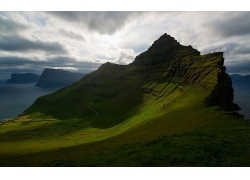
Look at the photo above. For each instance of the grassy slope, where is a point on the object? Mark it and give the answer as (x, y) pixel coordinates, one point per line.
(180, 137)
(154, 118)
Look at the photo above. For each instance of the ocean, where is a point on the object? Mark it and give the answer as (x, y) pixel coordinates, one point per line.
(15, 98)
(242, 97)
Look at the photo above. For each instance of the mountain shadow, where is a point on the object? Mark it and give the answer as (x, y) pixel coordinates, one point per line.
(162, 75)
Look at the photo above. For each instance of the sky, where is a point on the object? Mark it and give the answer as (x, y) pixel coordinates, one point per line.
(80, 41)
(31, 39)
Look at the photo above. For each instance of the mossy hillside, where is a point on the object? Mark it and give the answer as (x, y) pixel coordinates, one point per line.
(151, 107)
(205, 137)
(137, 103)
(124, 86)
(52, 133)
(185, 114)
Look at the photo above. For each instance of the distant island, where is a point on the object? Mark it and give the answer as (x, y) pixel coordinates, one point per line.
(23, 78)
(239, 78)
(58, 77)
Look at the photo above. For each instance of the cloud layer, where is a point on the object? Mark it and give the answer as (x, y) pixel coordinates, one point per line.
(82, 41)
(101, 22)
(15, 43)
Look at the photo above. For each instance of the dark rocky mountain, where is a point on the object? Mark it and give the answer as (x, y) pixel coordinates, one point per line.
(170, 107)
(162, 71)
(23, 78)
(58, 77)
(239, 78)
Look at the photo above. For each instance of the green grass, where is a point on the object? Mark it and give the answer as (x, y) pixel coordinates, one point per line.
(147, 116)
(185, 125)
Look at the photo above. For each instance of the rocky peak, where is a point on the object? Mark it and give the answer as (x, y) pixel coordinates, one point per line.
(166, 39)
(163, 50)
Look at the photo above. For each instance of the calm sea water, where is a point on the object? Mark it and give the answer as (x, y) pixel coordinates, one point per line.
(15, 98)
(242, 97)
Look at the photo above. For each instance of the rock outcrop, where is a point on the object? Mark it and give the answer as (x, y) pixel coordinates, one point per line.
(165, 71)
(222, 94)
(58, 77)
(23, 78)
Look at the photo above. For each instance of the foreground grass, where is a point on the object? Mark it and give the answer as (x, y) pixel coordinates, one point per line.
(37, 132)
(177, 130)
(226, 145)
(150, 119)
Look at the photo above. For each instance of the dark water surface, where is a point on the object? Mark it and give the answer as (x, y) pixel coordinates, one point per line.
(242, 97)
(15, 98)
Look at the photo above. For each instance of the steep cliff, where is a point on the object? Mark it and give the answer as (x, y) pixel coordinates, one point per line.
(163, 72)
(170, 107)
(222, 94)
(57, 77)
(23, 78)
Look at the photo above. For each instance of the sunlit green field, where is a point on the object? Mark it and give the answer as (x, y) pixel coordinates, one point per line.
(37, 132)
(133, 116)
(161, 127)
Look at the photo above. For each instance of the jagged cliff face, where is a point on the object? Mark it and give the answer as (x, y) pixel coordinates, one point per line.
(163, 72)
(222, 94)
(168, 61)
(164, 50)
(58, 77)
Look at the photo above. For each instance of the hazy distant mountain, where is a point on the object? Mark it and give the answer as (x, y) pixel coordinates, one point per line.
(23, 78)
(239, 78)
(58, 77)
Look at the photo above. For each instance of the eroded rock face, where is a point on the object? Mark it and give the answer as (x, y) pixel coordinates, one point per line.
(163, 50)
(166, 64)
(23, 78)
(223, 93)
(58, 77)
(170, 62)
(185, 66)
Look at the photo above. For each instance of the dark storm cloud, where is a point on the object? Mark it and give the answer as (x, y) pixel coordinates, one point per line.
(244, 50)
(102, 22)
(227, 48)
(230, 24)
(71, 62)
(19, 61)
(239, 67)
(51, 62)
(8, 26)
(8, 62)
(230, 48)
(211, 31)
(15, 43)
(72, 35)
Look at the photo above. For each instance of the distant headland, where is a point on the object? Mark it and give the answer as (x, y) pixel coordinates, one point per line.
(58, 77)
(23, 78)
